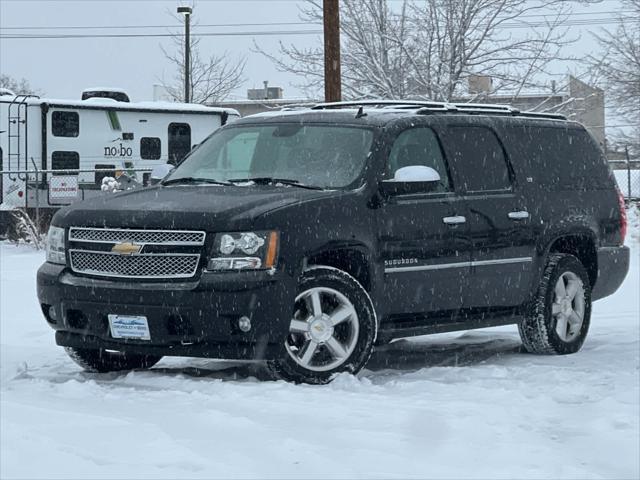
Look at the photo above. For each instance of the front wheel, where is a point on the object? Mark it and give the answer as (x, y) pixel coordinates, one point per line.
(332, 330)
(100, 360)
(558, 319)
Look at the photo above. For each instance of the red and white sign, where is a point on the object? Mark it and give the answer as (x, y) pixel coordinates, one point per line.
(63, 188)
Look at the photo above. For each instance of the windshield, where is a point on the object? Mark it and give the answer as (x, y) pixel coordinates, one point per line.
(316, 155)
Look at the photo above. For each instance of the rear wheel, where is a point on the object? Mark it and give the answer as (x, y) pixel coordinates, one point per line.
(332, 330)
(100, 360)
(558, 320)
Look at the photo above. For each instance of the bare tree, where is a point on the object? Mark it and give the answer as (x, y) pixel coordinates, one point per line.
(429, 48)
(211, 78)
(618, 66)
(17, 86)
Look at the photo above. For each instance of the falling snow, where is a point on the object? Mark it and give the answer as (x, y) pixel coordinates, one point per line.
(463, 405)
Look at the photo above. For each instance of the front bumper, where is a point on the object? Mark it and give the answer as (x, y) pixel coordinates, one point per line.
(613, 265)
(197, 318)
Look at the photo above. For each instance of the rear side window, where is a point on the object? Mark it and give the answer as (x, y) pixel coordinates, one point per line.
(560, 158)
(479, 158)
(65, 124)
(150, 148)
(65, 161)
(418, 146)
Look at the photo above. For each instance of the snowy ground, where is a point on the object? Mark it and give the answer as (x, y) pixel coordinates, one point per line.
(464, 405)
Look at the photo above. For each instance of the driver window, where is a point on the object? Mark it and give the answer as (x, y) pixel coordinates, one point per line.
(419, 146)
(236, 156)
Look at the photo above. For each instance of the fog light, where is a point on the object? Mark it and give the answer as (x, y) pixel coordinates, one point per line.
(52, 314)
(244, 324)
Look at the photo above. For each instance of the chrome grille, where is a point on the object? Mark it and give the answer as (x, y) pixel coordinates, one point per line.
(147, 237)
(107, 264)
(130, 253)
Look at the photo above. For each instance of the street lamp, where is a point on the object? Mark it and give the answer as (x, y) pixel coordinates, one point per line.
(186, 11)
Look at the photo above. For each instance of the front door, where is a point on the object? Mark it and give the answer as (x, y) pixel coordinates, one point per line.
(498, 218)
(423, 235)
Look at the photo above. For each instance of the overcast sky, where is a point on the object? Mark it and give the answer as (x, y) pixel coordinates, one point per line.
(63, 67)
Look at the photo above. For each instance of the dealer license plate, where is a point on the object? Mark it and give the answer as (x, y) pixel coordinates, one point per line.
(128, 326)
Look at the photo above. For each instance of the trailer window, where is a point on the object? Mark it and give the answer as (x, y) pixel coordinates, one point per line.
(65, 124)
(150, 148)
(179, 141)
(65, 161)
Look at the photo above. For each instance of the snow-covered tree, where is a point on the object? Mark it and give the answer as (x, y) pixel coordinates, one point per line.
(429, 48)
(618, 66)
(18, 86)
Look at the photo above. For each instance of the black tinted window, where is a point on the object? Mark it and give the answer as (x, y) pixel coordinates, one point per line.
(478, 156)
(179, 141)
(418, 146)
(150, 148)
(65, 161)
(558, 158)
(65, 124)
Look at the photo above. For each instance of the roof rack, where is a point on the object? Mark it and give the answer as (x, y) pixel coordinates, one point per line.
(427, 107)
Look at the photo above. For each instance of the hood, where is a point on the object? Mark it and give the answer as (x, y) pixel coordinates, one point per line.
(184, 207)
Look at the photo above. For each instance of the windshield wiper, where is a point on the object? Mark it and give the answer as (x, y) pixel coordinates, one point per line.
(274, 180)
(195, 180)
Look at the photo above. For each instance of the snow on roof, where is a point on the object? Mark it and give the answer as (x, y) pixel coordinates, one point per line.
(105, 89)
(98, 102)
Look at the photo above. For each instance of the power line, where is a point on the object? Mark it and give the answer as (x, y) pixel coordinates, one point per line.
(506, 25)
(160, 35)
(124, 27)
(224, 25)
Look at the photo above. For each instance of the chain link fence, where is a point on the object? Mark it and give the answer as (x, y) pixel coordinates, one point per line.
(627, 174)
(28, 198)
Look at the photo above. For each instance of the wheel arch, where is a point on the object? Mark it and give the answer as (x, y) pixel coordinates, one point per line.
(581, 244)
(352, 258)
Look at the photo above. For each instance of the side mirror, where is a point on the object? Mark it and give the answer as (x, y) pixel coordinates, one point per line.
(412, 179)
(159, 172)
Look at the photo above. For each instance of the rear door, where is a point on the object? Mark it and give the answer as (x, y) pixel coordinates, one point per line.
(423, 236)
(499, 220)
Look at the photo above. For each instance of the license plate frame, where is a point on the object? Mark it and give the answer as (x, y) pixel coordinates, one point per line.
(129, 327)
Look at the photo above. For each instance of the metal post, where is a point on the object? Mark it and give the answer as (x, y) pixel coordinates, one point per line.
(37, 194)
(186, 11)
(332, 81)
(187, 58)
(626, 152)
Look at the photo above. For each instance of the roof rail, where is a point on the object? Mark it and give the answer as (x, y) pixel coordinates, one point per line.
(426, 107)
(378, 103)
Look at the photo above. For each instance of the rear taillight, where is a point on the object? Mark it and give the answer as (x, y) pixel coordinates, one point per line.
(623, 218)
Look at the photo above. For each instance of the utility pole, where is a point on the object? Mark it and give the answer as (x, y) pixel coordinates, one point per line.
(332, 80)
(186, 11)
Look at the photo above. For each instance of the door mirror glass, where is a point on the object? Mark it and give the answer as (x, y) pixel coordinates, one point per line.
(159, 172)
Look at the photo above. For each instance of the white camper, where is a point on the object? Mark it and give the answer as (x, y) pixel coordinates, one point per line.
(55, 152)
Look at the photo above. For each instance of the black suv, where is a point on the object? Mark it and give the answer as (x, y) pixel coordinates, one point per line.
(306, 237)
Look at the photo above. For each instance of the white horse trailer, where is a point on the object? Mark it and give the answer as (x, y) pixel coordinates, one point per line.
(55, 152)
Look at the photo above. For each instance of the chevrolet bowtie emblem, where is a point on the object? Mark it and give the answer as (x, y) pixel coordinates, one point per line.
(126, 248)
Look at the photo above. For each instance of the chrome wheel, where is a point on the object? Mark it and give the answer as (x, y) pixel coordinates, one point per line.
(568, 306)
(324, 330)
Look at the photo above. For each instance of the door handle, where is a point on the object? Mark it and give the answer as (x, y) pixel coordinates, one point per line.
(454, 220)
(520, 215)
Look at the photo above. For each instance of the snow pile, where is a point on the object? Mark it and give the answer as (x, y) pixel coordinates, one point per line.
(109, 184)
(461, 405)
(633, 221)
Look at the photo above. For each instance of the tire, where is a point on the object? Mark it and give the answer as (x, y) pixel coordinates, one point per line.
(550, 326)
(101, 361)
(330, 333)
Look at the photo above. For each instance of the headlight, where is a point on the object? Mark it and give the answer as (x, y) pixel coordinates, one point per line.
(55, 246)
(244, 251)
